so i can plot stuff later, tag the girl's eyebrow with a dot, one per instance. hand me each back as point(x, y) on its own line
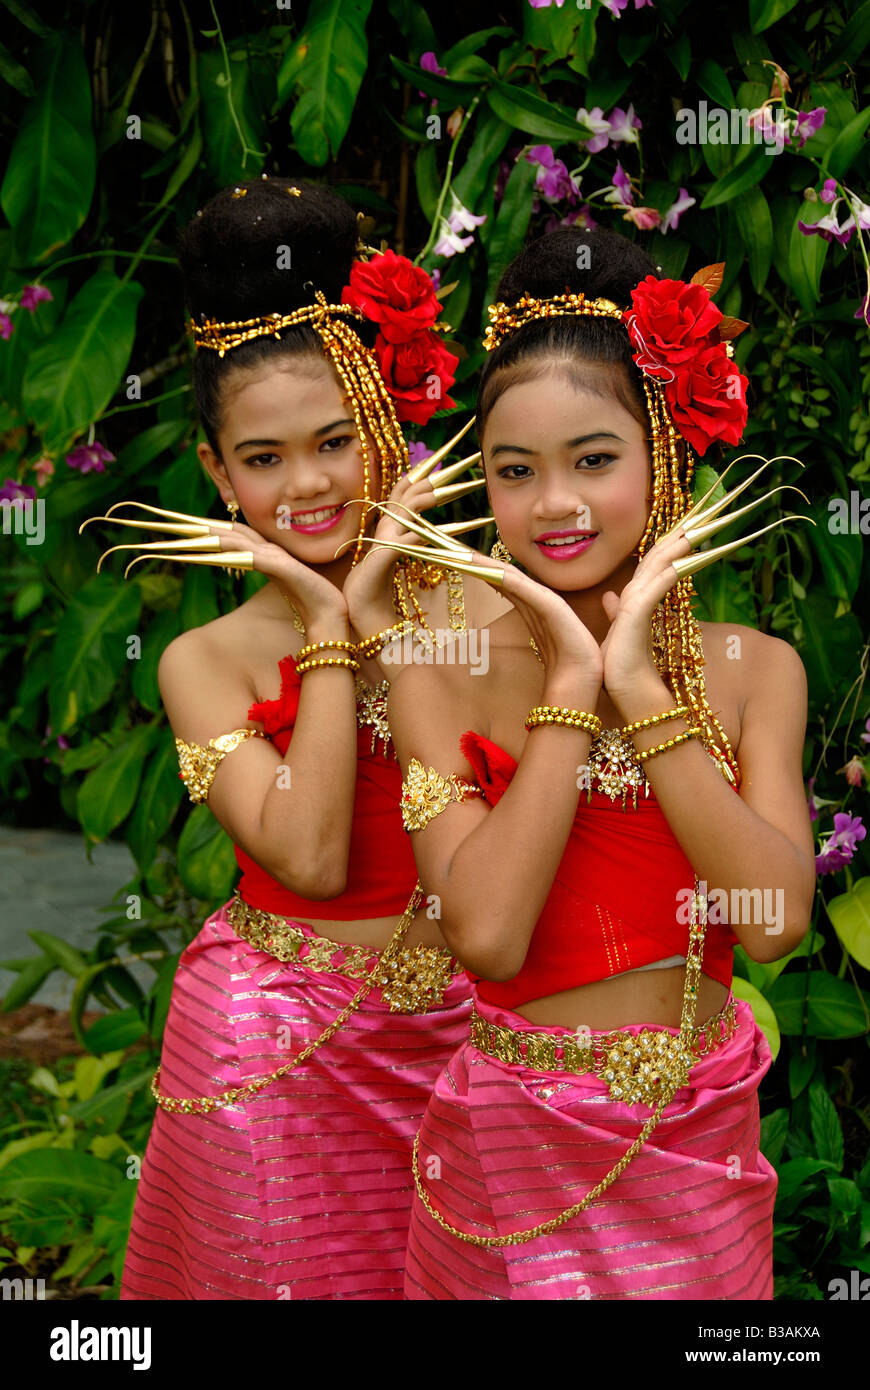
point(260, 443)
point(569, 443)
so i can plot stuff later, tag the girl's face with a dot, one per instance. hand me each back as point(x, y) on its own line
point(291, 457)
point(568, 476)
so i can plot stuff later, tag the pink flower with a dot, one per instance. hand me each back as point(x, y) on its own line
point(16, 493)
point(854, 771)
point(580, 217)
point(553, 180)
point(6, 326)
point(865, 737)
point(621, 193)
point(624, 126)
point(597, 122)
point(811, 800)
point(808, 122)
point(449, 243)
point(773, 129)
point(32, 295)
point(545, 4)
point(829, 227)
point(44, 469)
point(429, 63)
point(616, 6)
point(643, 218)
point(839, 849)
point(90, 458)
point(829, 191)
point(417, 452)
point(671, 219)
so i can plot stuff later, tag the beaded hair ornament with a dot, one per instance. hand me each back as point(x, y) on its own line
point(666, 380)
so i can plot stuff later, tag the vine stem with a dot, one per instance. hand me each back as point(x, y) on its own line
point(445, 187)
point(109, 251)
point(140, 405)
point(246, 149)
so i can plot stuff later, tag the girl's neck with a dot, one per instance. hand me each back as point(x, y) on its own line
point(588, 605)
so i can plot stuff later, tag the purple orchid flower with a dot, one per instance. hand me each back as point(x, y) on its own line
point(16, 493)
point(839, 849)
point(829, 191)
point(671, 219)
point(90, 458)
point(32, 295)
point(7, 327)
point(553, 180)
point(829, 227)
point(808, 122)
point(624, 126)
point(598, 123)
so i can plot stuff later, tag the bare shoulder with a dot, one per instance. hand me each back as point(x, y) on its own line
point(751, 662)
point(204, 679)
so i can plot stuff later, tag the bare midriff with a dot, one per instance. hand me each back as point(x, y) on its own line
point(377, 931)
point(654, 996)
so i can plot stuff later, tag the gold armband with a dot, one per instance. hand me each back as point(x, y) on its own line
point(199, 763)
point(425, 794)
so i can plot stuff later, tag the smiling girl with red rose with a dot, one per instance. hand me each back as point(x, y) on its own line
point(597, 1136)
point(306, 1028)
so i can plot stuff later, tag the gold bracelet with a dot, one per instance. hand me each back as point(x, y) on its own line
point(370, 646)
point(655, 719)
point(669, 743)
point(339, 643)
point(350, 662)
point(560, 714)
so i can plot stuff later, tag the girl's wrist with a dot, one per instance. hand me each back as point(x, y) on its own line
point(645, 697)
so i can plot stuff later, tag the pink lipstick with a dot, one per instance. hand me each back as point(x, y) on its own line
point(316, 519)
point(564, 545)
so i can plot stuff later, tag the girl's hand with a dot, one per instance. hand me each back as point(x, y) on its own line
point(627, 649)
point(319, 603)
point(368, 586)
point(571, 656)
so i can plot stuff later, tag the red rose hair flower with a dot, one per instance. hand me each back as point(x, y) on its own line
point(395, 294)
point(418, 374)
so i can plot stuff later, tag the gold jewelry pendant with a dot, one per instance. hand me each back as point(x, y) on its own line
point(500, 551)
point(613, 763)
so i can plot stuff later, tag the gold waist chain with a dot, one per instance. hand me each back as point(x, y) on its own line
point(204, 1105)
point(670, 1068)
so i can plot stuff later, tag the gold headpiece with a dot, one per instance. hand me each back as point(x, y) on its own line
point(676, 636)
point(507, 318)
point(357, 368)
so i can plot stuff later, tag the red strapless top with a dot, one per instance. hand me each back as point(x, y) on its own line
point(613, 905)
point(381, 871)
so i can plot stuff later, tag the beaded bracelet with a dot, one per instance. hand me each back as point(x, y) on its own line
point(560, 714)
point(310, 665)
point(370, 646)
point(339, 643)
point(669, 743)
point(655, 719)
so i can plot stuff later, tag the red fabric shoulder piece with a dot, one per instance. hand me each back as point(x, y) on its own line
point(278, 715)
point(493, 767)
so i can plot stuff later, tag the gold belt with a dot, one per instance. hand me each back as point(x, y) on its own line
point(635, 1066)
point(413, 980)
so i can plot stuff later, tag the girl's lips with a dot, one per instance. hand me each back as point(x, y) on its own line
point(559, 547)
point(326, 524)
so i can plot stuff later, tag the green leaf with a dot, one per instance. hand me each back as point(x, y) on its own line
point(841, 556)
point(850, 915)
point(157, 802)
point(774, 1128)
point(28, 17)
point(66, 956)
point(711, 78)
point(107, 794)
point(222, 137)
point(835, 1007)
point(434, 85)
point(763, 13)
point(185, 166)
point(762, 1012)
point(847, 145)
point(491, 137)
point(117, 1030)
point(90, 649)
point(748, 172)
point(801, 1066)
point(526, 111)
point(27, 982)
point(206, 859)
point(680, 54)
point(806, 256)
point(827, 647)
point(75, 495)
point(49, 180)
point(756, 228)
point(426, 178)
point(725, 596)
point(14, 74)
point(795, 1172)
point(826, 1127)
point(73, 377)
point(853, 41)
point(512, 222)
point(160, 633)
point(51, 1175)
point(336, 55)
point(87, 1111)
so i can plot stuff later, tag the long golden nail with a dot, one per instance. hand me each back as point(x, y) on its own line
point(420, 526)
point(186, 543)
point(700, 513)
point(690, 564)
point(696, 533)
point(177, 528)
point(230, 559)
point(218, 524)
point(458, 528)
point(487, 572)
point(453, 470)
point(422, 470)
point(694, 512)
point(454, 490)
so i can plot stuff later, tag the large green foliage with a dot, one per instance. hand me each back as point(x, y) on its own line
point(111, 141)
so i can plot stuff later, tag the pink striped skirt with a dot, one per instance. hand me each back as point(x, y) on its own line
point(304, 1192)
point(503, 1148)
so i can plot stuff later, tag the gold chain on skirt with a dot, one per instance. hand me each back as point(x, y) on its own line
point(678, 1077)
point(204, 1105)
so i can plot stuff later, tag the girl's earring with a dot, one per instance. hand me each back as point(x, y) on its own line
point(233, 509)
point(500, 551)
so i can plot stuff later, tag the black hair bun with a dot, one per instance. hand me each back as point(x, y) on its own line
point(230, 251)
point(553, 264)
